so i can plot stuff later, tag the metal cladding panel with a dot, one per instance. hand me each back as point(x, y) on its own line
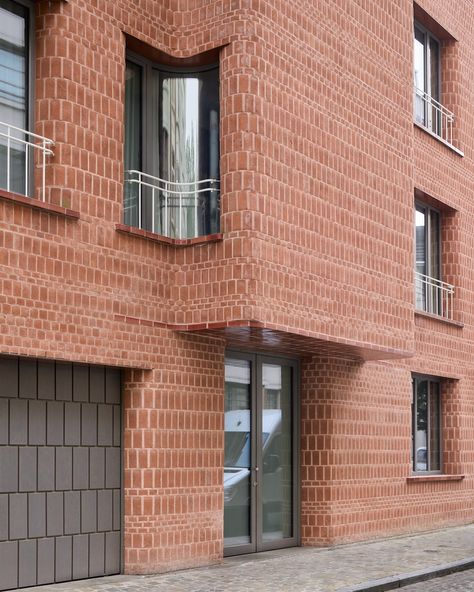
point(28, 379)
point(9, 565)
point(45, 561)
point(28, 469)
point(37, 423)
point(72, 512)
point(4, 517)
point(60, 438)
point(26, 563)
point(8, 469)
point(3, 422)
point(80, 557)
point(18, 422)
point(9, 374)
point(18, 516)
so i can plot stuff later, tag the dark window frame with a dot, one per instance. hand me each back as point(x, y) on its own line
point(431, 380)
point(428, 122)
point(147, 141)
point(29, 91)
point(428, 246)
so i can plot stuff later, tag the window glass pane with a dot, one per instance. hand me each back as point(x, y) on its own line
point(435, 300)
point(434, 428)
point(419, 75)
point(434, 91)
point(277, 469)
point(420, 256)
point(189, 153)
point(434, 69)
point(133, 125)
point(419, 60)
point(237, 452)
point(13, 92)
point(434, 244)
point(421, 425)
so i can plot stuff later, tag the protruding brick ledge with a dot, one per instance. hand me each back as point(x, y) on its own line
point(262, 336)
point(439, 319)
point(433, 478)
point(31, 202)
point(176, 242)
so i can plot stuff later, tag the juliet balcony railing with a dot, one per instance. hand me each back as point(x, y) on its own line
point(173, 209)
point(433, 116)
point(23, 160)
point(434, 296)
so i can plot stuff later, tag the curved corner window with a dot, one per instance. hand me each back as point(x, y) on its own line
point(171, 150)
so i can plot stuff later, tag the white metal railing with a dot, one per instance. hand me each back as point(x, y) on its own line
point(434, 296)
point(176, 208)
point(21, 153)
point(432, 115)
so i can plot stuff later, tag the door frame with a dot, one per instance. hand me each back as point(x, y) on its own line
point(256, 527)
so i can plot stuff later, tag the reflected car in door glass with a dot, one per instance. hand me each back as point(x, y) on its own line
point(237, 465)
point(421, 459)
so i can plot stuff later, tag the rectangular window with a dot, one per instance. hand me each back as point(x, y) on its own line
point(427, 264)
point(426, 424)
point(171, 149)
point(14, 95)
point(427, 66)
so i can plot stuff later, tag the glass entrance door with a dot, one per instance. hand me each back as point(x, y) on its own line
point(260, 494)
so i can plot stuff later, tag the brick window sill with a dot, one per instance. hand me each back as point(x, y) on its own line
point(439, 139)
point(431, 478)
point(176, 242)
point(35, 204)
point(439, 319)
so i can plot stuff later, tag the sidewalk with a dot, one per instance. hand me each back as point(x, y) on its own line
point(374, 566)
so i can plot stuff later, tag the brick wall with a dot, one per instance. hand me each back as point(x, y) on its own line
point(319, 162)
point(174, 442)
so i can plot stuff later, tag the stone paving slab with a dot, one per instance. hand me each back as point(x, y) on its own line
point(301, 569)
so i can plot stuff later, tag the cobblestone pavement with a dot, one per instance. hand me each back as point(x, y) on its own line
point(458, 582)
point(304, 569)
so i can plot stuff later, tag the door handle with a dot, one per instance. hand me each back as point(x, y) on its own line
point(255, 483)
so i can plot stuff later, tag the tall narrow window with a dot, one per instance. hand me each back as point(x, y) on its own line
point(14, 90)
point(427, 80)
point(171, 150)
point(428, 293)
point(426, 424)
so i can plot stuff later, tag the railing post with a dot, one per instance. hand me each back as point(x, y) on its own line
point(8, 158)
point(196, 198)
point(166, 208)
point(180, 215)
point(153, 208)
point(139, 200)
point(26, 168)
point(43, 173)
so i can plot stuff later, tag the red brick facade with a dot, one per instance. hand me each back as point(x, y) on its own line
point(319, 164)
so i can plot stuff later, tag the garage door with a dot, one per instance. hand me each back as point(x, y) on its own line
point(60, 437)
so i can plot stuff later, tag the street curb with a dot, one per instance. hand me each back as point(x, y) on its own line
point(400, 581)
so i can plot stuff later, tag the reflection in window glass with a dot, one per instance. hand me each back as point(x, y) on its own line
point(179, 132)
point(426, 437)
point(237, 452)
point(426, 69)
point(277, 494)
point(429, 296)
